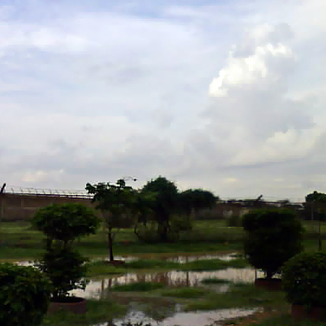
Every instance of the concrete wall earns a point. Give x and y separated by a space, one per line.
14 207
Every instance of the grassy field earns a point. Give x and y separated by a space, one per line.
19 241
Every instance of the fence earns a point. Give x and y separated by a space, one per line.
17 203
21 203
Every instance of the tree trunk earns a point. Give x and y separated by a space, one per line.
269 275
110 242
162 231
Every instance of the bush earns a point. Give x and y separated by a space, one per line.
272 237
24 295
62 224
66 222
65 269
304 279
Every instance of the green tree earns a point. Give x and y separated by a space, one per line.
164 205
314 209
116 202
316 197
171 209
193 200
63 224
272 237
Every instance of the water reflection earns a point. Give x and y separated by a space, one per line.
102 288
181 259
192 257
197 318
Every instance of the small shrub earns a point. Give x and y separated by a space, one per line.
304 279
272 237
24 295
65 269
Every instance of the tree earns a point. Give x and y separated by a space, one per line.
315 207
116 202
272 237
63 224
170 208
164 205
196 199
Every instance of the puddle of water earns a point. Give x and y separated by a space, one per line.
182 259
191 258
102 288
197 318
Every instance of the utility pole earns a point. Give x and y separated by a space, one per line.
2 202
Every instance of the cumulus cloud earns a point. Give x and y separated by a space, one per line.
251 95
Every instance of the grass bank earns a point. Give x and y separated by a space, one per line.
98 311
19 241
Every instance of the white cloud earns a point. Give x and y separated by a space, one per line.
96 91
260 68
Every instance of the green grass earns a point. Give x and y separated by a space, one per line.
19 241
138 287
98 311
184 293
287 320
240 295
215 281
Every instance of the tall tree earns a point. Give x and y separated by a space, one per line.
116 202
193 200
164 204
170 209
315 206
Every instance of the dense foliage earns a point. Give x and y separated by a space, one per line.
24 295
117 202
62 224
304 279
195 200
272 237
314 207
170 210
66 269
164 205
65 222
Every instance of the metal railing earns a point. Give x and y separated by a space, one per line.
46 192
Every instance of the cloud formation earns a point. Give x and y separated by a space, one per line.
221 96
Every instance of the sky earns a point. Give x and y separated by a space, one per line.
227 96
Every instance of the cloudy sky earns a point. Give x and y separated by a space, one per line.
225 95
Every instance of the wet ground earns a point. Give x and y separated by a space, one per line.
185 258
162 311
177 258
183 318
101 288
